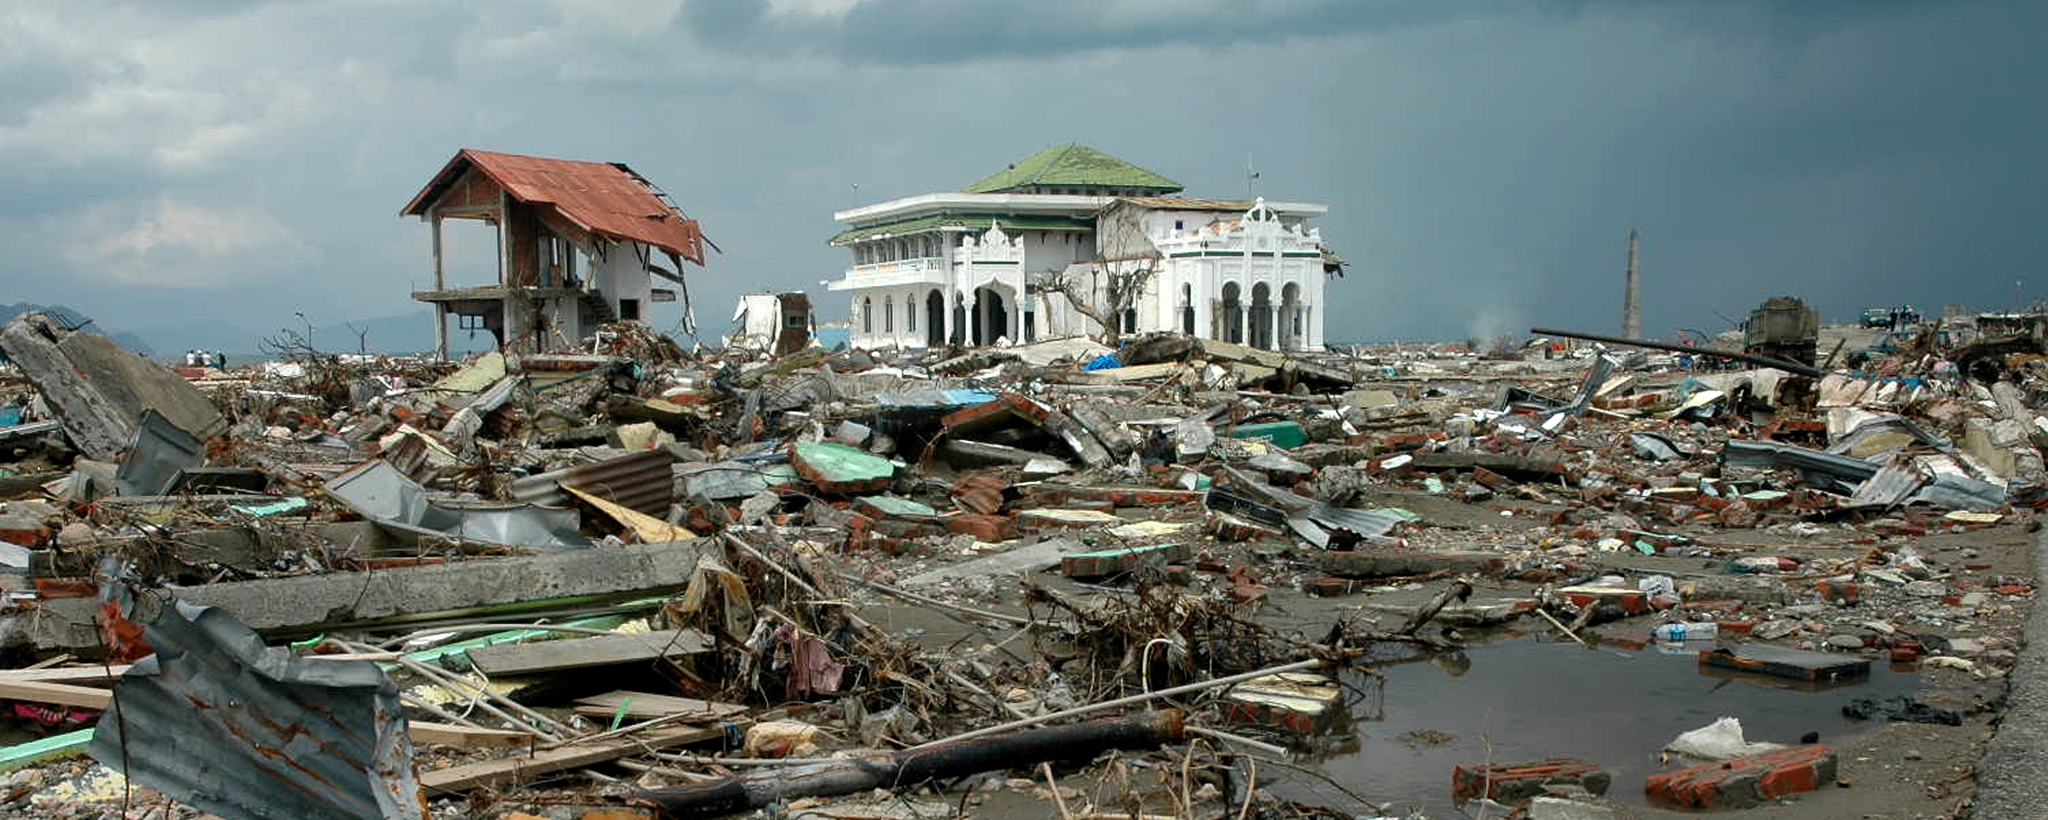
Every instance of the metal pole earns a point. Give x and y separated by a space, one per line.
1760 361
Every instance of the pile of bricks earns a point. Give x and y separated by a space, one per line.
1513 783
1744 781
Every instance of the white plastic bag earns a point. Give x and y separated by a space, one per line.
1719 740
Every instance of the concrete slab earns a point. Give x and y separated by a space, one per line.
311 603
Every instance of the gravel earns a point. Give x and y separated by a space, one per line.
2012 779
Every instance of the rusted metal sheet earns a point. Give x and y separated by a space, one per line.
219 721
604 198
643 481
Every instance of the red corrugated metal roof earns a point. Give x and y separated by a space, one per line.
604 198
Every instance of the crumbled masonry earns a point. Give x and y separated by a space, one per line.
631 579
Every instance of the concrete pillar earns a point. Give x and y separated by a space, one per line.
1632 299
440 278
441 330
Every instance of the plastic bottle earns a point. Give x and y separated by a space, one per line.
1686 631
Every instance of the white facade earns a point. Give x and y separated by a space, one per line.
941 267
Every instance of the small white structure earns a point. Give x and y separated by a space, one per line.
970 267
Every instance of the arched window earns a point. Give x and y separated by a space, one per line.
910 313
888 314
867 315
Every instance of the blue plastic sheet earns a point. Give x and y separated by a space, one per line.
1106 361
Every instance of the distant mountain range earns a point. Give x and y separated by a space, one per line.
390 334
72 318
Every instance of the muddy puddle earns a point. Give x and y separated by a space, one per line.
1525 698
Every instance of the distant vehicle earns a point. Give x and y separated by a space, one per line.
1783 327
1878 317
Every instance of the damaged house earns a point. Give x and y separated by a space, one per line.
579 245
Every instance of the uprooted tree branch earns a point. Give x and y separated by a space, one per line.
1108 287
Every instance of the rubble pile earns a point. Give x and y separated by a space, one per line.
644 581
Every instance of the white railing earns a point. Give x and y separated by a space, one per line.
899 266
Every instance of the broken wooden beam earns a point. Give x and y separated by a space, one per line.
513 660
649 706
912 767
514 770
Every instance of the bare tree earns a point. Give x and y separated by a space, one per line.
1107 287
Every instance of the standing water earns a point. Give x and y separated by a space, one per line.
1524 700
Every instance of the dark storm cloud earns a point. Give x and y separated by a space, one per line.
1482 161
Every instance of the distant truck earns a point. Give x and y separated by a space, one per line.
1783 327
1878 317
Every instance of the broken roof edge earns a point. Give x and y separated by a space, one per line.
421 203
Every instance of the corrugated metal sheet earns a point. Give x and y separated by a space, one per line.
643 481
605 198
157 451
1771 454
1891 485
219 721
379 492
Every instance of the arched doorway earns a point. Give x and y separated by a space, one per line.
935 318
991 314
960 329
1262 316
1233 314
1290 317
1187 309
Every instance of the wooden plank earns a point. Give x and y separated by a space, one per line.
61 694
466 737
578 653
65 674
514 770
648 706
101 674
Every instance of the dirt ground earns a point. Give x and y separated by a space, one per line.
1886 770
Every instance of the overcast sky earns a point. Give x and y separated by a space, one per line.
226 164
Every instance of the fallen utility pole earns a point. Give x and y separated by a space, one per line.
1808 371
1080 741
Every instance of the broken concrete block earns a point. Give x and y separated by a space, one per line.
1304 703
969 454
837 468
1111 562
99 390
1022 559
1119 441
1055 518
1513 783
1778 661
644 435
1039 469
884 506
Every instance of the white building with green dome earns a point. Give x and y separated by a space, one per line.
967 266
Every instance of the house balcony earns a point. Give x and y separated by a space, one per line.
927 270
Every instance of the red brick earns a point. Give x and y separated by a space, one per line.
1228 527
1513 783
980 493
983 527
994 414
1838 592
1744 781
1328 587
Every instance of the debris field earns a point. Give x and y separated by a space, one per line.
1175 579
